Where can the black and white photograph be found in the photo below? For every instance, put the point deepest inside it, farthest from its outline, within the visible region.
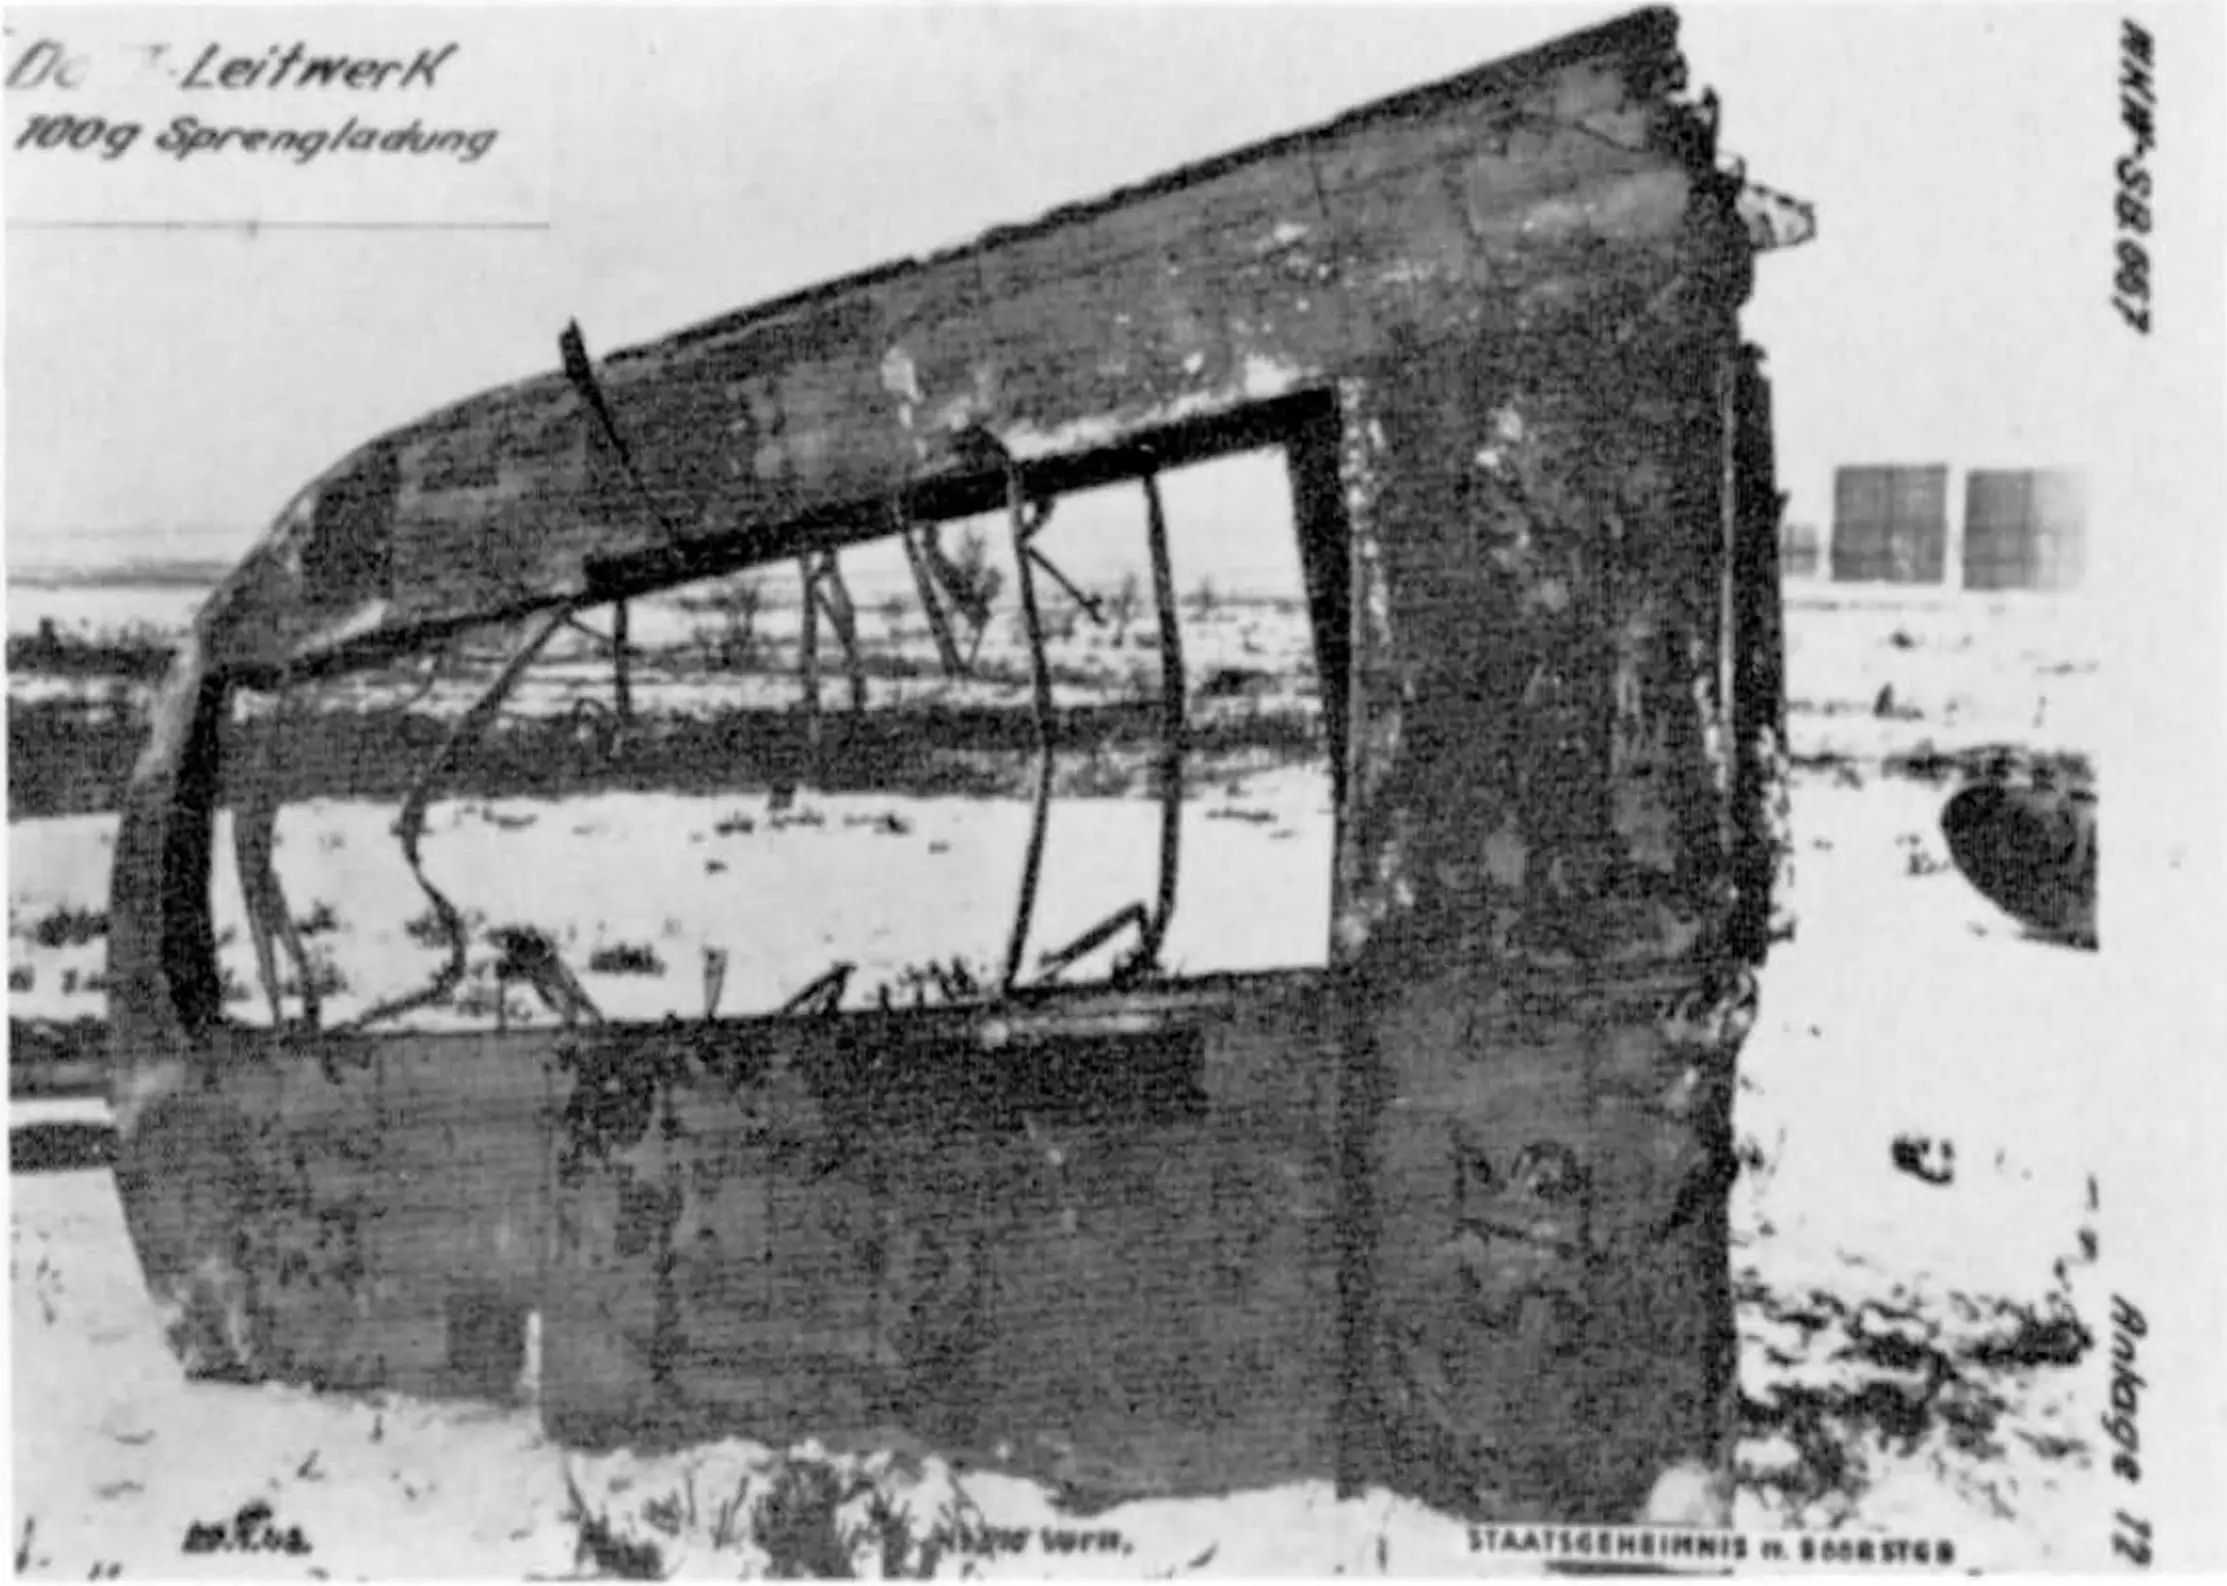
(1118, 791)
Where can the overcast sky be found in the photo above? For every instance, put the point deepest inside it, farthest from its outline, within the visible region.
(1951, 310)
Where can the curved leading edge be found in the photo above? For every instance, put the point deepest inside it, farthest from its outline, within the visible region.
(152, 998)
(166, 1034)
(293, 1195)
(248, 1162)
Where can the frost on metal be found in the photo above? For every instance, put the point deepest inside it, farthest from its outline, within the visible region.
(1450, 1214)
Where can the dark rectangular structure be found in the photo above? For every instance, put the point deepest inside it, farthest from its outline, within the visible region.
(1891, 523)
(1801, 555)
(2025, 528)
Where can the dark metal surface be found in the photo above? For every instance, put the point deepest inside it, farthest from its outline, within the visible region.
(1450, 1216)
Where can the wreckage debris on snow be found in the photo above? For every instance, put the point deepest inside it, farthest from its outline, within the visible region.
(1449, 1214)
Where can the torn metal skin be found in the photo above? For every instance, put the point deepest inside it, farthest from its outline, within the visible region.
(1450, 1215)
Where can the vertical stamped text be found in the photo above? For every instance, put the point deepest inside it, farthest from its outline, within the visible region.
(2131, 203)
(2130, 1537)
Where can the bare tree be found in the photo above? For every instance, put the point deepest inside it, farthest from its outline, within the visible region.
(975, 583)
(1122, 607)
(734, 645)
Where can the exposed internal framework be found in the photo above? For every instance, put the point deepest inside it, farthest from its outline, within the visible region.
(1140, 926)
(1450, 1213)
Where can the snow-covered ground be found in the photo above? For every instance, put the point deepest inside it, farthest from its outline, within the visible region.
(878, 882)
(83, 611)
(1959, 670)
(1916, 1230)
